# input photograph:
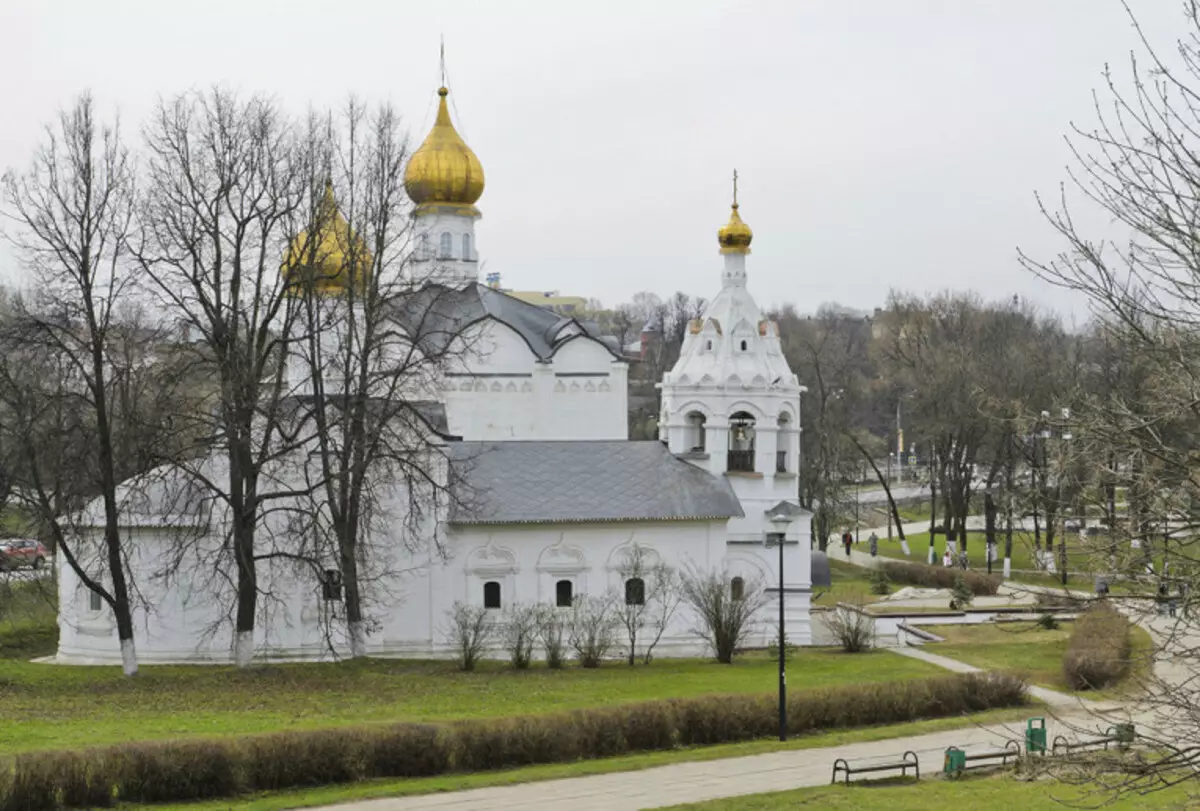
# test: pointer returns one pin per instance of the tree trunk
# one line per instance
(887, 486)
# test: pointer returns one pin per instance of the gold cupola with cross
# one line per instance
(444, 172)
(735, 236)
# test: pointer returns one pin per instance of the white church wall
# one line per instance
(501, 391)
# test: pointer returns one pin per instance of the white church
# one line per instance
(534, 423)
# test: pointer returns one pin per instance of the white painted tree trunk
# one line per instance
(243, 649)
(358, 640)
(1007, 568)
(128, 657)
(930, 556)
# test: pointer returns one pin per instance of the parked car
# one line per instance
(17, 552)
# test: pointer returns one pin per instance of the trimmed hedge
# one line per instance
(940, 577)
(1099, 648)
(175, 771)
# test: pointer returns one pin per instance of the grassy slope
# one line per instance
(49, 706)
(994, 793)
(1024, 647)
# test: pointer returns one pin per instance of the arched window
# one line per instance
(741, 443)
(466, 246)
(491, 594)
(635, 591)
(696, 431)
(447, 247)
(782, 443)
(743, 346)
(423, 250)
(708, 346)
(737, 588)
(563, 593)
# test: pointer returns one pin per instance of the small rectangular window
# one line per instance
(635, 591)
(491, 594)
(95, 601)
(563, 593)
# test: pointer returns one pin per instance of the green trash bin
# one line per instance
(1035, 736)
(955, 761)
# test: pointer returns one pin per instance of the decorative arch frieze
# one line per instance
(491, 561)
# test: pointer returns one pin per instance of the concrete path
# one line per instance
(710, 780)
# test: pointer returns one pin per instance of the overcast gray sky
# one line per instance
(880, 143)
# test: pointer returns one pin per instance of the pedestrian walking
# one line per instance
(847, 541)
(873, 544)
(948, 559)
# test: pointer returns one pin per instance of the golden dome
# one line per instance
(735, 235)
(444, 172)
(331, 256)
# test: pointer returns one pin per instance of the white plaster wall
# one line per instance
(502, 391)
(409, 610)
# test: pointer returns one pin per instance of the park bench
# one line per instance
(956, 759)
(904, 764)
(1121, 734)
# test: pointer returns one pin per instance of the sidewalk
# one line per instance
(713, 779)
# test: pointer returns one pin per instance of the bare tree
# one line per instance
(1137, 167)
(724, 620)
(652, 596)
(226, 192)
(73, 209)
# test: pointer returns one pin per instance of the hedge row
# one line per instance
(1099, 648)
(939, 577)
(175, 771)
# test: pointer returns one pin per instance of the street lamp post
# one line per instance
(1062, 508)
(891, 454)
(780, 523)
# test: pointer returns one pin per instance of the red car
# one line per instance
(15, 553)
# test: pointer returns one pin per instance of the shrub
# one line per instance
(552, 632)
(939, 577)
(852, 627)
(880, 584)
(1099, 648)
(470, 632)
(773, 649)
(961, 593)
(520, 632)
(724, 620)
(1047, 622)
(593, 629)
(172, 771)
(409, 750)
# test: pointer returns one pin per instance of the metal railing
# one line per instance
(740, 461)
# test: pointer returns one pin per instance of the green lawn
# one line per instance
(981, 793)
(52, 706)
(851, 584)
(1027, 648)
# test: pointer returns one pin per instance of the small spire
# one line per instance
(735, 188)
(442, 59)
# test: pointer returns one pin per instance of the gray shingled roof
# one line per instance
(522, 482)
(436, 314)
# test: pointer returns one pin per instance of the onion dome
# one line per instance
(331, 255)
(735, 235)
(444, 172)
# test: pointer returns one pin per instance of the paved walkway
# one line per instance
(710, 780)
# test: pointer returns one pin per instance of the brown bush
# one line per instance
(1099, 648)
(940, 577)
(409, 750)
(172, 770)
(186, 770)
(288, 759)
